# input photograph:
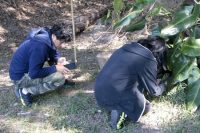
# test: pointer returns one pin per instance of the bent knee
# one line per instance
(58, 79)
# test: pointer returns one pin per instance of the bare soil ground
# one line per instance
(74, 110)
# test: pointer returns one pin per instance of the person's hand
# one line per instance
(62, 61)
(62, 69)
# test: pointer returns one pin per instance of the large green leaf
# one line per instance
(191, 47)
(133, 26)
(182, 65)
(194, 75)
(118, 5)
(126, 20)
(174, 52)
(182, 13)
(193, 95)
(181, 22)
(197, 31)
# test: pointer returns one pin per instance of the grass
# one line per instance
(77, 112)
(74, 110)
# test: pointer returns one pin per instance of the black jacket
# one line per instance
(122, 81)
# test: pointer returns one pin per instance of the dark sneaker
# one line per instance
(25, 98)
(117, 119)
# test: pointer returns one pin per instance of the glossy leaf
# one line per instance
(181, 67)
(139, 25)
(197, 32)
(127, 20)
(186, 11)
(181, 23)
(191, 47)
(193, 95)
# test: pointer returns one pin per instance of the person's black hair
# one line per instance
(158, 47)
(61, 31)
(154, 44)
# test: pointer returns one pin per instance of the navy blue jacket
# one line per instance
(131, 70)
(32, 54)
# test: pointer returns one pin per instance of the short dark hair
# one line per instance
(61, 31)
(158, 47)
(153, 43)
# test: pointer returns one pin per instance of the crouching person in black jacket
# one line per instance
(130, 71)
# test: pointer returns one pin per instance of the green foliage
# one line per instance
(138, 25)
(183, 36)
(193, 95)
(191, 47)
(127, 19)
(142, 3)
(181, 67)
(159, 11)
(197, 31)
(137, 19)
(183, 20)
(183, 62)
(118, 5)
(107, 18)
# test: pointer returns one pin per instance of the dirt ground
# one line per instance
(17, 17)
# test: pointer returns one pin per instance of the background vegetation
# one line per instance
(74, 109)
(180, 30)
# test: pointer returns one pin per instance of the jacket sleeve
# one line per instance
(37, 58)
(148, 78)
(54, 57)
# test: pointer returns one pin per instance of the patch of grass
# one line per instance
(74, 110)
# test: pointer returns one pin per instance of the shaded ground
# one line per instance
(74, 110)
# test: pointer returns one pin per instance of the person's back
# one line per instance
(33, 51)
(129, 72)
(122, 70)
(27, 70)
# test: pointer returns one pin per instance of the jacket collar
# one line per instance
(138, 49)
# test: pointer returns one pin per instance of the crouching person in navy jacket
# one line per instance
(27, 69)
(130, 71)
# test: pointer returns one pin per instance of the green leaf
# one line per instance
(191, 47)
(144, 1)
(186, 11)
(133, 26)
(159, 11)
(193, 96)
(181, 67)
(127, 19)
(118, 5)
(194, 75)
(197, 32)
(181, 22)
(139, 4)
